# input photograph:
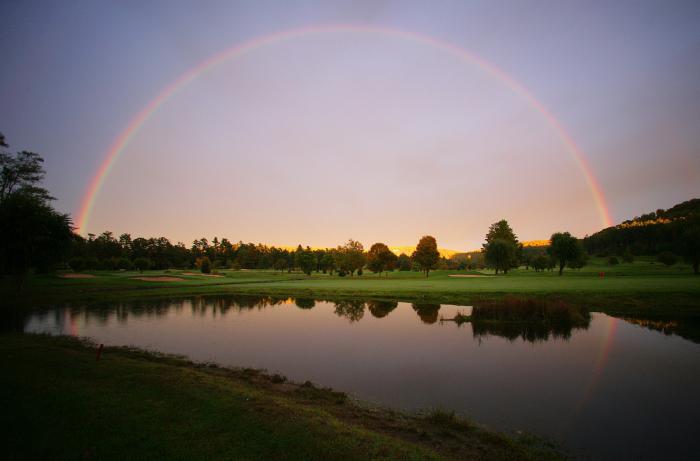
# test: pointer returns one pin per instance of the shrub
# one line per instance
(612, 260)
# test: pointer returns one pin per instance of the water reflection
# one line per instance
(511, 318)
(500, 370)
(380, 309)
(527, 331)
(527, 319)
(305, 303)
(428, 313)
(351, 310)
(685, 328)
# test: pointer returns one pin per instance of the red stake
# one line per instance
(99, 352)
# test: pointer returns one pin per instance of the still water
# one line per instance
(610, 389)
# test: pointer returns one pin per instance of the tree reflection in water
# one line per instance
(305, 303)
(428, 313)
(510, 317)
(351, 310)
(380, 309)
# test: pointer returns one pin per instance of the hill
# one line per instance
(648, 234)
(444, 252)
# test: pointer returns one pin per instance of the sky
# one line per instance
(388, 130)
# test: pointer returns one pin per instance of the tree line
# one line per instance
(34, 236)
(671, 235)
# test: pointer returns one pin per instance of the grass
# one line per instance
(519, 309)
(60, 403)
(640, 288)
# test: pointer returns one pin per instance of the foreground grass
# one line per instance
(60, 403)
(640, 288)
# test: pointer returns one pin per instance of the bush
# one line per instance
(612, 260)
(667, 258)
(77, 264)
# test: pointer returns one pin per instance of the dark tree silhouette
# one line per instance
(565, 249)
(380, 258)
(426, 253)
(502, 247)
(32, 233)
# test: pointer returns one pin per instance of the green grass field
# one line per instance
(60, 403)
(643, 287)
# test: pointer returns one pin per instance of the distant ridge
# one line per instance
(535, 243)
(649, 234)
(444, 252)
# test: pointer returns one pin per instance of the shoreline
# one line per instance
(46, 374)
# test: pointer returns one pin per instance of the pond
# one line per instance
(606, 388)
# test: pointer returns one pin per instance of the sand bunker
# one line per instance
(204, 275)
(468, 275)
(160, 278)
(77, 276)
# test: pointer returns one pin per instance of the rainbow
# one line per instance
(600, 362)
(95, 184)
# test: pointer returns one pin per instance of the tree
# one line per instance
(564, 248)
(500, 254)
(32, 234)
(205, 265)
(580, 261)
(327, 262)
(627, 256)
(142, 264)
(690, 244)
(350, 257)
(306, 260)
(667, 258)
(21, 174)
(404, 262)
(540, 262)
(380, 258)
(502, 247)
(426, 254)
(77, 264)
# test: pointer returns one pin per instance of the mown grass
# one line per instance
(641, 288)
(60, 403)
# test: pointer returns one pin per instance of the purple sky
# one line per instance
(345, 134)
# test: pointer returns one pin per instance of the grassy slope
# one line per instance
(642, 287)
(59, 403)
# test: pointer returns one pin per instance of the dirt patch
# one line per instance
(468, 276)
(160, 278)
(204, 275)
(77, 276)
